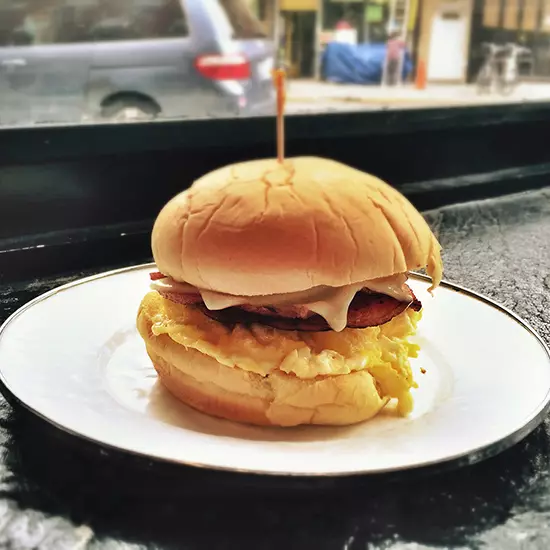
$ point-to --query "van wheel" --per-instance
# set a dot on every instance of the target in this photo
(129, 111)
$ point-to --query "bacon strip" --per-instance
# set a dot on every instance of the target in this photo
(294, 312)
(370, 309)
(182, 298)
(366, 310)
(156, 275)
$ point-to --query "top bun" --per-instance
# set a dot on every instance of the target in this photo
(262, 227)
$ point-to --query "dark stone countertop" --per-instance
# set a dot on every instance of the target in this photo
(59, 493)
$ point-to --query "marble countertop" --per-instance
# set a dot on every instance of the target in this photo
(58, 493)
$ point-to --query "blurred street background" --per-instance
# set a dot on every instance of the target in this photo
(70, 61)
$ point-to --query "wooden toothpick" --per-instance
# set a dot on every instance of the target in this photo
(279, 80)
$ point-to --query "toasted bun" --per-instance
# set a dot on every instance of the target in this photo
(261, 227)
(279, 399)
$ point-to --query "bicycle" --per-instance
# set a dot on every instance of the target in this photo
(500, 69)
(489, 73)
(509, 78)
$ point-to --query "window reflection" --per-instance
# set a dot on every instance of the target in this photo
(123, 60)
(73, 21)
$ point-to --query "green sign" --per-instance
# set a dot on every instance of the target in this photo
(374, 13)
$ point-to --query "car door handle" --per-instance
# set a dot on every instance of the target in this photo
(13, 63)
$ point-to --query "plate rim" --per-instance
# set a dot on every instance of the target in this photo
(457, 460)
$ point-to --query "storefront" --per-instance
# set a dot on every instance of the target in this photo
(306, 26)
(369, 18)
(299, 30)
(522, 22)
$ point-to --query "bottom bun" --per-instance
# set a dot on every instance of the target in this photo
(278, 399)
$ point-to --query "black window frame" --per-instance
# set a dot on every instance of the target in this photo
(96, 183)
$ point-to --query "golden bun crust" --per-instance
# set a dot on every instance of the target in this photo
(260, 227)
(279, 399)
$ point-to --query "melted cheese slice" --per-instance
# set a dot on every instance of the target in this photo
(331, 303)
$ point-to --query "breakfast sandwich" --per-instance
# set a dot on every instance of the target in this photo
(281, 296)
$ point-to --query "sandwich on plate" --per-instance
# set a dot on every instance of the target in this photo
(281, 294)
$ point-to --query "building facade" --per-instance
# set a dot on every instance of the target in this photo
(524, 22)
(306, 26)
(446, 35)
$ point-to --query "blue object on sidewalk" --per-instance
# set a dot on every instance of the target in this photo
(357, 64)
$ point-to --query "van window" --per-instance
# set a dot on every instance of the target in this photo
(244, 17)
(27, 22)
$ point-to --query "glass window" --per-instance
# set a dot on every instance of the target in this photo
(88, 61)
(68, 22)
(244, 17)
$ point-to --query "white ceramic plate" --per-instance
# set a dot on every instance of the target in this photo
(73, 356)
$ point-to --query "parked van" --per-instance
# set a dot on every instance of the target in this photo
(88, 60)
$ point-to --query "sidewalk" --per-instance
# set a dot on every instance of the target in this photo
(310, 91)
